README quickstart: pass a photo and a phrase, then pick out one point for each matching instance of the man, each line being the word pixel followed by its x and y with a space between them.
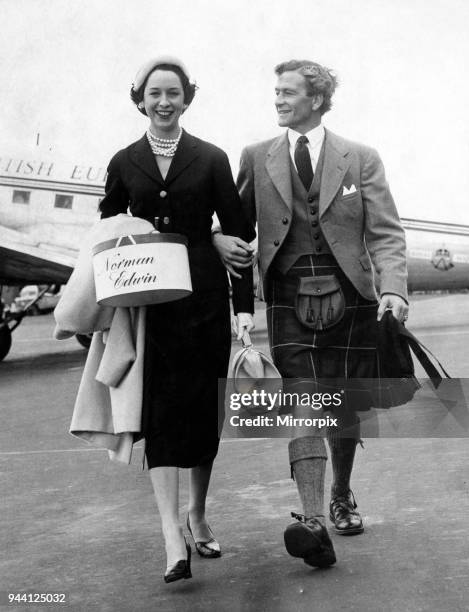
pixel 325 219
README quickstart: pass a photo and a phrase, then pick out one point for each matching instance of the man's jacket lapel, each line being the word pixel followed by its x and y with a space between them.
pixel 278 167
pixel 334 169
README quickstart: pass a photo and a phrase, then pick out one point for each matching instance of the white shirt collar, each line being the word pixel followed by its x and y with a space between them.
pixel 315 136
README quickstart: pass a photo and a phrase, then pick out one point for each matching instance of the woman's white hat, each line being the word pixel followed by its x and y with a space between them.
pixel 150 65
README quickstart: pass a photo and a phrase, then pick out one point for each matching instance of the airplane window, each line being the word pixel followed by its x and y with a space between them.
pixel 63 201
pixel 21 197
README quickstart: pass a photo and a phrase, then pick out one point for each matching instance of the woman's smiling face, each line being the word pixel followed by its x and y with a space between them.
pixel 163 98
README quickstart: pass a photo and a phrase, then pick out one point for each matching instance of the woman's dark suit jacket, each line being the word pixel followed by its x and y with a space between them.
pixel 199 182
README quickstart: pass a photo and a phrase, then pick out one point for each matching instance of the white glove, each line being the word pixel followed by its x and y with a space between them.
pixel 242 322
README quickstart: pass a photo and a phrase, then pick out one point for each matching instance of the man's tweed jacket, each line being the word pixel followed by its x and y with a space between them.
pixel 360 222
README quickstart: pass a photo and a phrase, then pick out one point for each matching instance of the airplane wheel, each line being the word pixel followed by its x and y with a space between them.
pixel 5 341
pixel 84 340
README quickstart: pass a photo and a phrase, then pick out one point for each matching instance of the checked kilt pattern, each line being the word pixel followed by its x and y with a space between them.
pixel 329 357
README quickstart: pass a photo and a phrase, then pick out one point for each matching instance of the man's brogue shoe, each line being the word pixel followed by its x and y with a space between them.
pixel 345 516
pixel 308 539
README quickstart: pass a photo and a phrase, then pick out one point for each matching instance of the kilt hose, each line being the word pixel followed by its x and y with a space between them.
pixel 330 359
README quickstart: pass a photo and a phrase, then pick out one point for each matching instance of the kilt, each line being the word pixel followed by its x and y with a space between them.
pixel 323 359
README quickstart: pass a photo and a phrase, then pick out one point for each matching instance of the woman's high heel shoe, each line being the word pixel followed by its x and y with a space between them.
pixel 181 569
pixel 210 549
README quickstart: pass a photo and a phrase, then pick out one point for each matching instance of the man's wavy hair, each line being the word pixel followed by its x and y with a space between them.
pixel 319 79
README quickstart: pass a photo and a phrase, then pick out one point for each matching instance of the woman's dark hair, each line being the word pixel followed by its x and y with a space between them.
pixel 189 89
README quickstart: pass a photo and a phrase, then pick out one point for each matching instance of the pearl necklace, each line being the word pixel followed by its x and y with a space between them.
pixel 163 146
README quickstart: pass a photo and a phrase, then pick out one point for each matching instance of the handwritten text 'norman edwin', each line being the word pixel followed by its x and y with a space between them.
pixel 124 272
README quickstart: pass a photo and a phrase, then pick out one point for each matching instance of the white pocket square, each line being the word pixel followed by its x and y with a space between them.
pixel 348 190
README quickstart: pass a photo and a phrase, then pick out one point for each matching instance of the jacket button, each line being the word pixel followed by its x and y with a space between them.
pixel 163 194
pixel 314 223
pixel 318 249
pixel 276 242
pixel 311 199
pixel 285 220
pixel 316 236
pixel 313 210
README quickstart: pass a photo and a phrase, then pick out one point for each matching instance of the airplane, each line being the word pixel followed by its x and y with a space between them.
pixel 46 207
pixel 437 255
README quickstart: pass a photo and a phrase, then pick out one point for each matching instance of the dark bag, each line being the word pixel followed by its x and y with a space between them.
pixel 320 302
pixel 398 384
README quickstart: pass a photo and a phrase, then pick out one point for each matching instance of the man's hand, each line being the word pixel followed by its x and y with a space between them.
pixel 398 305
pixel 233 252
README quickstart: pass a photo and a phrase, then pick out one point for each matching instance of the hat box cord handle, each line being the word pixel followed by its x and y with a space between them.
pixel 121 238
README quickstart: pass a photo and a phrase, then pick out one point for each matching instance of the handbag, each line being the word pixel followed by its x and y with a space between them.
pixel 320 302
pixel 397 381
pixel 253 370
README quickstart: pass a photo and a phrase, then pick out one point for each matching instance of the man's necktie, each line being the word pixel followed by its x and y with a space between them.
pixel 303 162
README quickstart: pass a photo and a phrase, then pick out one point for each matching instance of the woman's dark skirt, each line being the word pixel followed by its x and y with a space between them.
pixel 187 349
pixel 330 360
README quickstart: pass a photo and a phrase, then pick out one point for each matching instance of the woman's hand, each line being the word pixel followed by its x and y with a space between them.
pixel 234 252
pixel 242 322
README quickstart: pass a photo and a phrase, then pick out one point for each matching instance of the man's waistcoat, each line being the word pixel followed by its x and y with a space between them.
pixel 305 236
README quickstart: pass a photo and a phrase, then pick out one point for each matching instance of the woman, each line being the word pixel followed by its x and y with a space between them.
pixel 181 181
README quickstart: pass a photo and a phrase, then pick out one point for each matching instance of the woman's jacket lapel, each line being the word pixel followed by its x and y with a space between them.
pixel 142 156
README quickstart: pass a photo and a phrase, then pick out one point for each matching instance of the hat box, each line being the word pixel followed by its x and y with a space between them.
pixel 141 269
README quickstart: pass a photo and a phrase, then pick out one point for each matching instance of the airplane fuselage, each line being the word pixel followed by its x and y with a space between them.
pixel 52 204
pixel 437 255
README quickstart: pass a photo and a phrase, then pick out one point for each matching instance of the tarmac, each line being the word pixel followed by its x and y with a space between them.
pixel 74 522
